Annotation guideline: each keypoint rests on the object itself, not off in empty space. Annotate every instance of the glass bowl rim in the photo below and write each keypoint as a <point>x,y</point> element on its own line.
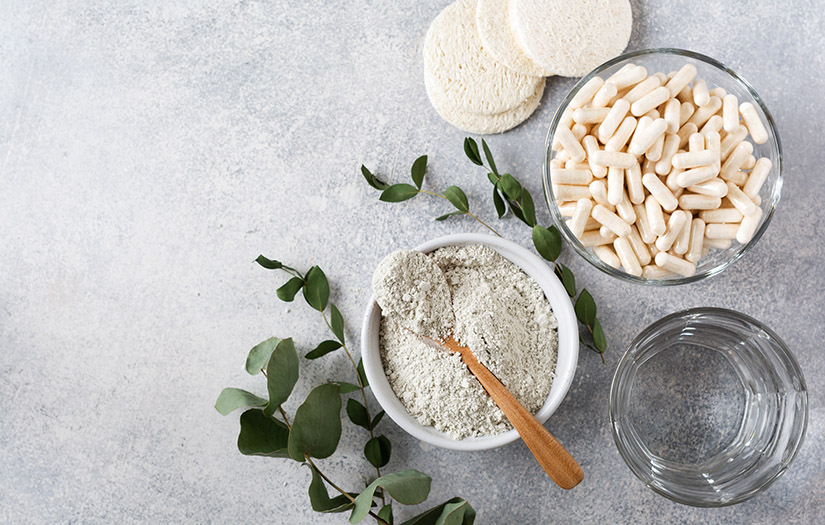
<point>615,272</point>
<point>614,412</point>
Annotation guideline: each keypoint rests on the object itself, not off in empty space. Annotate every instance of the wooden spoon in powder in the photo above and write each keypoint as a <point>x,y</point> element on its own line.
<point>411,287</point>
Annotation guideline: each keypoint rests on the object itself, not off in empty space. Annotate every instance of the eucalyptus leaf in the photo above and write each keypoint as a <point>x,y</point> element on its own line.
<point>493,178</point>
<point>567,279</point>
<point>281,374</point>
<point>528,208</point>
<point>269,264</point>
<point>408,487</point>
<point>316,428</point>
<point>377,419</point>
<point>336,323</point>
<point>517,212</point>
<point>378,451</point>
<point>598,336</point>
<point>323,349</point>
<point>456,196</point>
<point>471,150</point>
<point>346,388</point>
<point>448,215</point>
<point>419,168</point>
<point>262,435</point>
<point>316,290</point>
<point>501,208</point>
<point>319,497</point>
<point>386,514</point>
<point>231,399</point>
<point>398,193</point>
<point>287,292</point>
<point>547,242</point>
<point>490,161</point>
<point>259,355</point>
<point>372,180</point>
<point>358,413</point>
<point>361,374</point>
<point>510,186</point>
<point>441,512</point>
<point>585,307</point>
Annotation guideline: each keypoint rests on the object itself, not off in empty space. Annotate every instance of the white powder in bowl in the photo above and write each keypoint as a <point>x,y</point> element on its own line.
<point>501,314</point>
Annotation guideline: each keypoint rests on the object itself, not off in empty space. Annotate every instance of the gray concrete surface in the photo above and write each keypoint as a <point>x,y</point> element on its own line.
<point>150,150</point>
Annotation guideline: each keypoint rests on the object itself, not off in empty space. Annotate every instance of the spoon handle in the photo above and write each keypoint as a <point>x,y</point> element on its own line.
<point>551,455</point>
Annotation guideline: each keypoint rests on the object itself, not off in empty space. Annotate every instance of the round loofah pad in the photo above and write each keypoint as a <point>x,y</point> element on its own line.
<point>494,28</point>
<point>478,122</point>
<point>468,76</point>
<point>571,37</point>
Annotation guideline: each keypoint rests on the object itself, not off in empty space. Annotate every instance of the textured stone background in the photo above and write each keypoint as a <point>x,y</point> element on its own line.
<point>150,150</point>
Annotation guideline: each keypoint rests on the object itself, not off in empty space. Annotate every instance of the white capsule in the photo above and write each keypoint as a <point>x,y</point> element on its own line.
<point>604,231</point>
<point>696,142</point>
<point>749,163</point>
<point>753,122</point>
<point>660,192</point>
<point>718,92</point>
<point>694,159</point>
<point>730,112</point>
<point>685,132</point>
<point>670,181</point>
<point>697,237</point>
<point>681,79</point>
<point>736,159</point>
<point>562,156</point>
<point>691,201</point>
<point>568,192</point>
<point>653,272</point>
<point>594,238</point>
<point>615,185</point>
<point>567,209</point>
<point>598,191</point>
<point>625,78</point>
<point>731,140</point>
<point>686,95</point>
<point>573,165</point>
<point>701,96</point>
<point>703,113</point>
<point>721,215</point>
<point>627,257</point>
<point>633,182</point>
<point>655,217</point>
<point>643,141</point>
<point>675,224</point>
<point>586,93</point>
<point>714,123</point>
<point>696,176</point>
<point>604,95</point>
<point>618,140</point>
<point>643,225</point>
<point>607,255</point>
<point>740,201</point>
<point>658,96</point>
<point>642,88</point>
<point>615,159</point>
<point>713,143</point>
<point>611,220</point>
<point>591,146</point>
<point>654,153</point>
<point>625,209</point>
<point>680,247</point>
<point>721,231</point>
<point>749,226</point>
<point>611,121</point>
<point>570,144</point>
<point>714,187</point>
<point>590,115</point>
<point>720,244</point>
<point>671,146</point>
<point>675,264</point>
<point>757,177</point>
<point>577,177</point>
<point>639,247</point>
<point>686,110</point>
<point>579,131</point>
<point>672,111</point>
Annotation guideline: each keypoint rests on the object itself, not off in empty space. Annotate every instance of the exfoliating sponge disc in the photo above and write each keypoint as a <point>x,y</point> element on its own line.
<point>466,75</point>
<point>494,28</point>
<point>571,37</point>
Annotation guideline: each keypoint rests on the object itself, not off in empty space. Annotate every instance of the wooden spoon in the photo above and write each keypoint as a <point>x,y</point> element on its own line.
<point>551,455</point>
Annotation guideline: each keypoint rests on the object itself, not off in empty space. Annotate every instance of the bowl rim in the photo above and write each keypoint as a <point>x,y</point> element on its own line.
<point>613,406</point>
<point>567,352</point>
<point>590,257</point>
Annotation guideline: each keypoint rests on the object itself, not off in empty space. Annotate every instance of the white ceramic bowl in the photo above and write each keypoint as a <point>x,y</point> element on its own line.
<point>568,351</point>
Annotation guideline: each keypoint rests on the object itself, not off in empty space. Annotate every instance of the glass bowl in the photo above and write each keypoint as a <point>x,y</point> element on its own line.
<point>715,74</point>
<point>708,407</point>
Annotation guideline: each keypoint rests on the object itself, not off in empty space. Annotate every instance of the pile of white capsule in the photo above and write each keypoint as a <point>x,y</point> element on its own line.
<point>681,177</point>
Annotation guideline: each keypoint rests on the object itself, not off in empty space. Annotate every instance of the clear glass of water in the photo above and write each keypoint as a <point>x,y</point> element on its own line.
<point>708,407</point>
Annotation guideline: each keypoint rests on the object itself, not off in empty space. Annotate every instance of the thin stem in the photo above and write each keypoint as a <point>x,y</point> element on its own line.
<point>286,419</point>
<point>465,211</point>
<point>339,489</point>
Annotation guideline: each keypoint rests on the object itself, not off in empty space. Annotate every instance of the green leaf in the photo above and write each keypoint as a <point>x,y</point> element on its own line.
<point>528,208</point>
<point>323,349</point>
<point>441,513</point>
<point>567,279</point>
<point>457,198</point>
<point>337,323</point>
<point>471,150</point>
<point>287,292</point>
<point>378,450</point>
<point>358,413</point>
<point>547,242</point>
<point>585,307</point>
<point>490,161</point>
<point>408,487</point>
<point>262,435</point>
<point>493,178</point>
<point>419,168</point>
<point>231,399</point>
<point>281,374</point>
<point>269,264</point>
<point>501,208</point>
<point>378,417</point>
<point>346,388</point>
<point>510,186</point>
<point>361,374</point>
<point>259,355</point>
<point>448,215</point>
<point>316,428</point>
<point>398,193</point>
<point>319,497</point>
<point>372,180</point>
<point>316,290</point>
<point>386,513</point>
<point>517,212</point>
<point>598,336</point>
